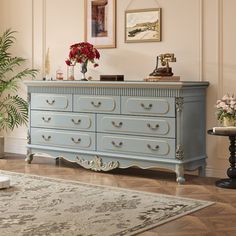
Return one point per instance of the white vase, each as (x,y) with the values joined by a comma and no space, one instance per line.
(229,122)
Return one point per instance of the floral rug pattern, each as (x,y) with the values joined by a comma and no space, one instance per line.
(41,206)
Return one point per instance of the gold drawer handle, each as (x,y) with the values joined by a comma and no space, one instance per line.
(118,145)
(149,107)
(50,102)
(96,105)
(117,125)
(46,138)
(153,127)
(153,149)
(46,119)
(76,122)
(76,141)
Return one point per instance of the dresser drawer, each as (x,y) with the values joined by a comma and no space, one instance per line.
(136,145)
(77,140)
(59,102)
(148,106)
(141,125)
(97,104)
(63,120)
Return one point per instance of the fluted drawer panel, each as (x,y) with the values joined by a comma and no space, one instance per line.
(63,120)
(98,104)
(59,102)
(136,145)
(67,139)
(148,106)
(140,125)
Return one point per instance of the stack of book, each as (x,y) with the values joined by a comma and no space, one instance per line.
(162,79)
(229,130)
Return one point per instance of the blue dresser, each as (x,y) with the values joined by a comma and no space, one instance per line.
(107,125)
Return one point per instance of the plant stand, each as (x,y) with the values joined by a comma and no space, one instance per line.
(231,172)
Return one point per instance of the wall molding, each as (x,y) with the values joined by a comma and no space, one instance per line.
(38,35)
(220,47)
(44,35)
(201,28)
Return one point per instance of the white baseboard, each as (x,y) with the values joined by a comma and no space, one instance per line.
(210,172)
(15,145)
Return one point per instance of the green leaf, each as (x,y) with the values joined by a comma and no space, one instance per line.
(13,108)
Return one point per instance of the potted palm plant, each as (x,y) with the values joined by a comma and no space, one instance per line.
(13,108)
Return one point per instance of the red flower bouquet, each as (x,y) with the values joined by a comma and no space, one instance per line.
(82,53)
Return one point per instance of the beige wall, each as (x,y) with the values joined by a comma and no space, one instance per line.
(201,33)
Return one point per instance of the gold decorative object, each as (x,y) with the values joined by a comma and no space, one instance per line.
(179,152)
(165,70)
(47,66)
(179,102)
(97,164)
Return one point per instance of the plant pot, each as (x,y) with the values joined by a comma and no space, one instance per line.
(1,146)
(229,122)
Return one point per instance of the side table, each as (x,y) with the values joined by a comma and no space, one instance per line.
(231,172)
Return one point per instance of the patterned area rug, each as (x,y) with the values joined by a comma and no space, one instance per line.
(41,206)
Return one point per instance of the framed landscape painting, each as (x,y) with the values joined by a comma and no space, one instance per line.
(100,23)
(143,25)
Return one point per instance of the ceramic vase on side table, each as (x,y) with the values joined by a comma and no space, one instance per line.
(229,122)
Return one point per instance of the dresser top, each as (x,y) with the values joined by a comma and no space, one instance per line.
(120,84)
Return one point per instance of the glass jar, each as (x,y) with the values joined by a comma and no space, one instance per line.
(59,74)
(70,73)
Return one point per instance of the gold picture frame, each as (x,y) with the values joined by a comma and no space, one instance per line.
(100,23)
(143,25)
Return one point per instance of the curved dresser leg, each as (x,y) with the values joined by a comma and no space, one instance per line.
(29,158)
(202,171)
(179,170)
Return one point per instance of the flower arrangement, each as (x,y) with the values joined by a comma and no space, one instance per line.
(82,53)
(226,108)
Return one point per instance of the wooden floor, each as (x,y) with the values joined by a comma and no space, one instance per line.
(216,220)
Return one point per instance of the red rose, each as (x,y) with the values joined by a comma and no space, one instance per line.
(79,60)
(74,45)
(82,52)
(97,54)
(68,62)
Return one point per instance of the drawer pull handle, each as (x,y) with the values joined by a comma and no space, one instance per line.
(118,145)
(76,122)
(46,138)
(50,102)
(146,107)
(117,125)
(46,119)
(76,141)
(153,127)
(153,149)
(96,104)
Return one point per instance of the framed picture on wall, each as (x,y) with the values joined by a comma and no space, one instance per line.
(100,23)
(143,25)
